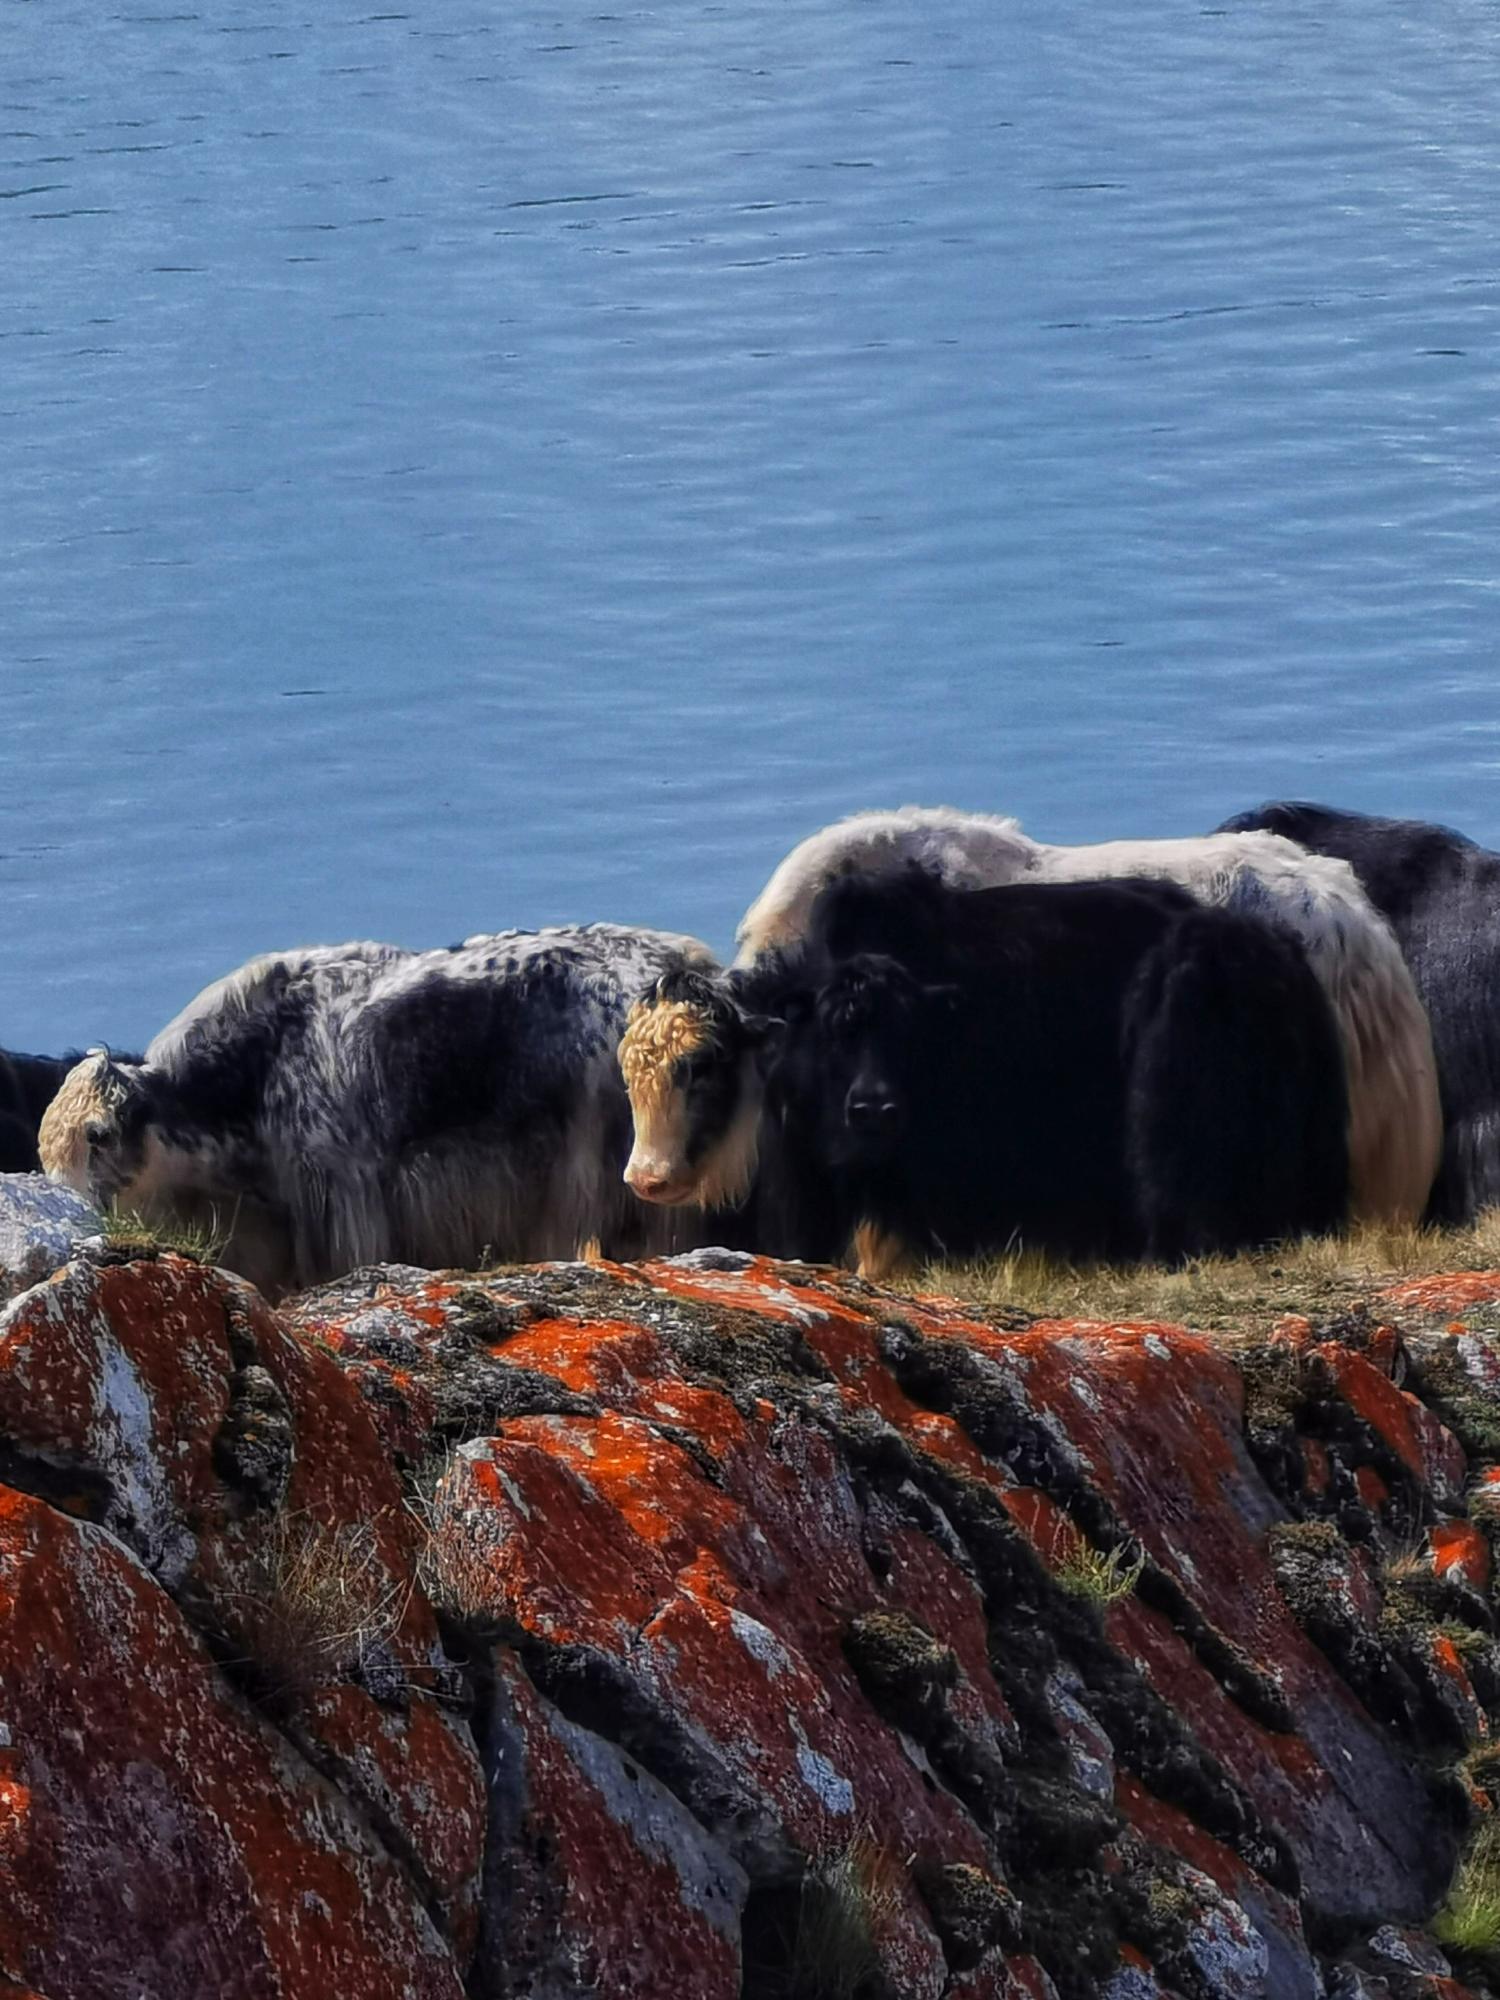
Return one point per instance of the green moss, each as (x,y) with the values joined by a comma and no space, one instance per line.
(901,1667)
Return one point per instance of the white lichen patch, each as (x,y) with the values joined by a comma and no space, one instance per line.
(1226,1947)
(760,1642)
(141,1508)
(827,1783)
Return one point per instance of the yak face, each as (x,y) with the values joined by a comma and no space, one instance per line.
(690,1059)
(875,1031)
(93,1135)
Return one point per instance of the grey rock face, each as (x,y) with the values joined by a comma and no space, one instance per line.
(41,1227)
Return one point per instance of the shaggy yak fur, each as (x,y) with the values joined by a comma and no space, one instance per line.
(1096,1069)
(1440,894)
(360,1103)
(699,1125)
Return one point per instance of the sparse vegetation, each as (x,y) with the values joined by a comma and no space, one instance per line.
(128,1232)
(1468,1924)
(1409,1564)
(818,1941)
(1100,1577)
(1318,1276)
(314,1604)
(455,1576)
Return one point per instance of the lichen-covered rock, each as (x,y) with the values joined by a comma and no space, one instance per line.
(163,1403)
(156,1836)
(732,1630)
(42,1225)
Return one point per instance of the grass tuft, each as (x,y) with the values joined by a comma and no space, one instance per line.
(1098,1577)
(1410,1562)
(1469,1922)
(845,1898)
(818,1940)
(128,1231)
(455,1574)
(315,1604)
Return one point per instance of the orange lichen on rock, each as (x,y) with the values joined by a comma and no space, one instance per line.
(1460,1548)
(1444,1295)
(715,1595)
(1420,1440)
(160,1809)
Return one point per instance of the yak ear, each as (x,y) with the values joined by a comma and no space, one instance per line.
(762,1028)
(103,1066)
(766,1033)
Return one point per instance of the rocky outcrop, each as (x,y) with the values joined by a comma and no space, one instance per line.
(713,1627)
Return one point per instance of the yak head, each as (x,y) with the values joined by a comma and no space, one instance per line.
(93,1135)
(691,1058)
(875,1037)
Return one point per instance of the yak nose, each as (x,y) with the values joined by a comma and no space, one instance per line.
(650,1184)
(872,1111)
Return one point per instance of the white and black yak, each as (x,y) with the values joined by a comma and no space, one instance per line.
(696,1085)
(361,1103)
(1097,1069)
(1440,894)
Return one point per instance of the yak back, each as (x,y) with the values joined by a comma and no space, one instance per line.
(1038,932)
(1238,1110)
(1405,866)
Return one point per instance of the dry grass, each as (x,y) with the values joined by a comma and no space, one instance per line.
(456,1576)
(1318,1276)
(315,1603)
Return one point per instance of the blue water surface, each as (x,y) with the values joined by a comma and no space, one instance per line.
(480,466)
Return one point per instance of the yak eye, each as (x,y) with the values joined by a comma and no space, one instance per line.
(95,1133)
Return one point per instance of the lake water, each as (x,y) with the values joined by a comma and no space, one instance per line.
(502,465)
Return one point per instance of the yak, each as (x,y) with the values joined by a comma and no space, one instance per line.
(359,1103)
(1100,1070)
(1440,894)
(698,1086)
(28,1085)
